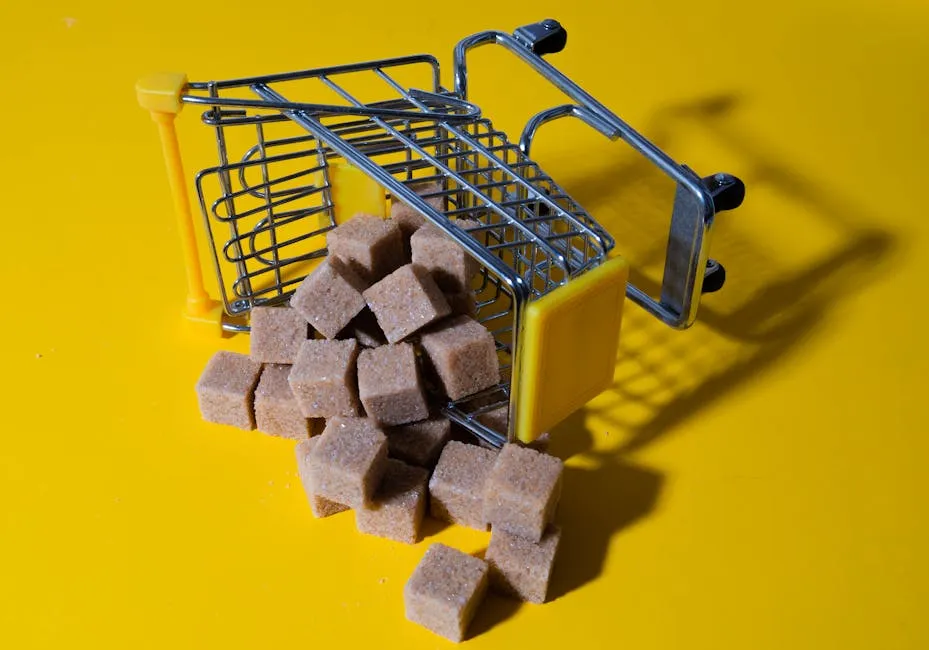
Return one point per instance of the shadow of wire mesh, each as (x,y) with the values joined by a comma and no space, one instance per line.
(786,272)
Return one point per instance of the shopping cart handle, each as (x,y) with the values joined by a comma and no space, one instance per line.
(546,37)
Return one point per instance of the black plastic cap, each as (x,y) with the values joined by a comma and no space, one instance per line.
(546,37)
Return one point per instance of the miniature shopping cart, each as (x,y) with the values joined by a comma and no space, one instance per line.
(298,152)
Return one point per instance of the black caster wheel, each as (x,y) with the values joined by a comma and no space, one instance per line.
(714,277)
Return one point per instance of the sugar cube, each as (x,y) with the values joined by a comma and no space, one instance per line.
(522,491)
(456,489)
(407,218)
(323,378)
(349,461)
(520,567)
(369,245)
(406,301)
(450,264)
(330,297)
(320,506)
(399,504)
(276,334)
(445,590)
(276,409)
(464,356)
(225,390)
(462,302)
(419,443)
(364,329)
(389,384)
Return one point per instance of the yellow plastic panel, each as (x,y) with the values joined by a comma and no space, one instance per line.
(354,192)
(569,345)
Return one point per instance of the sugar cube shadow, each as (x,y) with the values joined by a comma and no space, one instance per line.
(597,503)
(495,609)
(492,612)
(431,528)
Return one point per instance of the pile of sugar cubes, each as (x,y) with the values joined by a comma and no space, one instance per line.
(393,315)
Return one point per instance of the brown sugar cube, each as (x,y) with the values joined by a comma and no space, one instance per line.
(445,590)
(497,419)
(225,390)
(519,567)
(365,330)
(462,302)
(406,301)
(276,334)
(456,489)
(320,506)
(369,245)
(399,504)
(419,443)
(448,262)
(407,218)
(276,409)
(348,462)
(522,491)
(464,356)
(389,384)
(323,378)
(330,297)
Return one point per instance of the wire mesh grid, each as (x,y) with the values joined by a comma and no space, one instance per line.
(268,208)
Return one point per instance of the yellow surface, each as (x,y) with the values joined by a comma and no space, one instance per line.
(756,482)
(569,347)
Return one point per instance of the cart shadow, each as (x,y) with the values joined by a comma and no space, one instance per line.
(775,311)
(778,308)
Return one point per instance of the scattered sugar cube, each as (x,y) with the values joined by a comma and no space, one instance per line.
(349,461)
(389,384)
(320,506)
(276,334)
(407,218)
(369,245)
(419,443)
(323,378)
(330,297)
(519,567)
(450,264)
(445,590)
(456,489)
(365,330)
(276,409)
(406,301)
(464,356)
(522,491)
(399,504)
(226,388)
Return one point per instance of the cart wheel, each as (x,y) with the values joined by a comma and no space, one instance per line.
(727,191)
(714,277)
(546,37)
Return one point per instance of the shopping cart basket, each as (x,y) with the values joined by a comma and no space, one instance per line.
(549,287)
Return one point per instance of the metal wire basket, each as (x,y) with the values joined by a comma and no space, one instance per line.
(316,152)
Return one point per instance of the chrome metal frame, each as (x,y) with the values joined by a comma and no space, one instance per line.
(531,237)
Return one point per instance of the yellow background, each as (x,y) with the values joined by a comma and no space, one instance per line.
(756,482)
